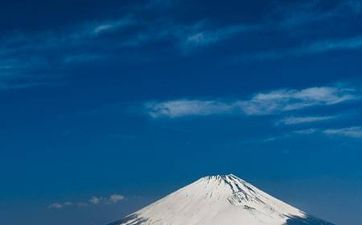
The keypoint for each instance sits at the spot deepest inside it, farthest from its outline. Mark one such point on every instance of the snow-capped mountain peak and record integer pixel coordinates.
(219, 200)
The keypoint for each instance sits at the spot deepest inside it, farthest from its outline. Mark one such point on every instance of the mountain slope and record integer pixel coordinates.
(219, 200)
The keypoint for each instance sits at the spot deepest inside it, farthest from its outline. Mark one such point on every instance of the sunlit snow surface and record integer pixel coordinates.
(219, 200)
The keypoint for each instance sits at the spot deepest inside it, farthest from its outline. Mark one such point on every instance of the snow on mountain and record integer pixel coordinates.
(219, 200)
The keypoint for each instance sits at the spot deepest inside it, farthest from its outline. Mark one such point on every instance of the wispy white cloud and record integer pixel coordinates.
(329, 45)
(116, 198)
(304, 119)
(74, 42)
(17, 70)
(83, 32)
(56, 205)
(94, 200)
(316, 47)
(186, 37)
(21, 73)
(180, 108)
(259, 104)
(306, 12)
(113, 25)
(297, 21)
(305, 131)
(202, 37)
(353, 132)
(112, 199)
(346, 132)
(293, 99)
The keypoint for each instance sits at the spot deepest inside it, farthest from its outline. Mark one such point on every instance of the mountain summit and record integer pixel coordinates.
(219, 200)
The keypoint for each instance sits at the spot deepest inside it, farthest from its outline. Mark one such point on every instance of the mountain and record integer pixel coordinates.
(219, 200)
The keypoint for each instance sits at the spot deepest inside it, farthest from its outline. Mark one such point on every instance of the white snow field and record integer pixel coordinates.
(219, 200)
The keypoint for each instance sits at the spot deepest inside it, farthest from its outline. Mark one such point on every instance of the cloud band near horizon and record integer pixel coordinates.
(94, 200)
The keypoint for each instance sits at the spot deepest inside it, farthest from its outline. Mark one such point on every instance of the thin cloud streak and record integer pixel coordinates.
(293, 99)
(353, 132)
(350, 132)
(304, 119)
(317, 47)
(181, 108)
(112, 25)
(305, 131)
(202, 37)
(185, 38)
(264, 103)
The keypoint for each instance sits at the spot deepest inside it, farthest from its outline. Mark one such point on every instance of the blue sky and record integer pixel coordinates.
(108, 105)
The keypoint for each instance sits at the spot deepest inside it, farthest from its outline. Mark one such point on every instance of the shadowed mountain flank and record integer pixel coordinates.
(309, 220)
(135, 220)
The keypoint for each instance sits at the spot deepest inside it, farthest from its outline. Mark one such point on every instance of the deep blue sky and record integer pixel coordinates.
(108, 105)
